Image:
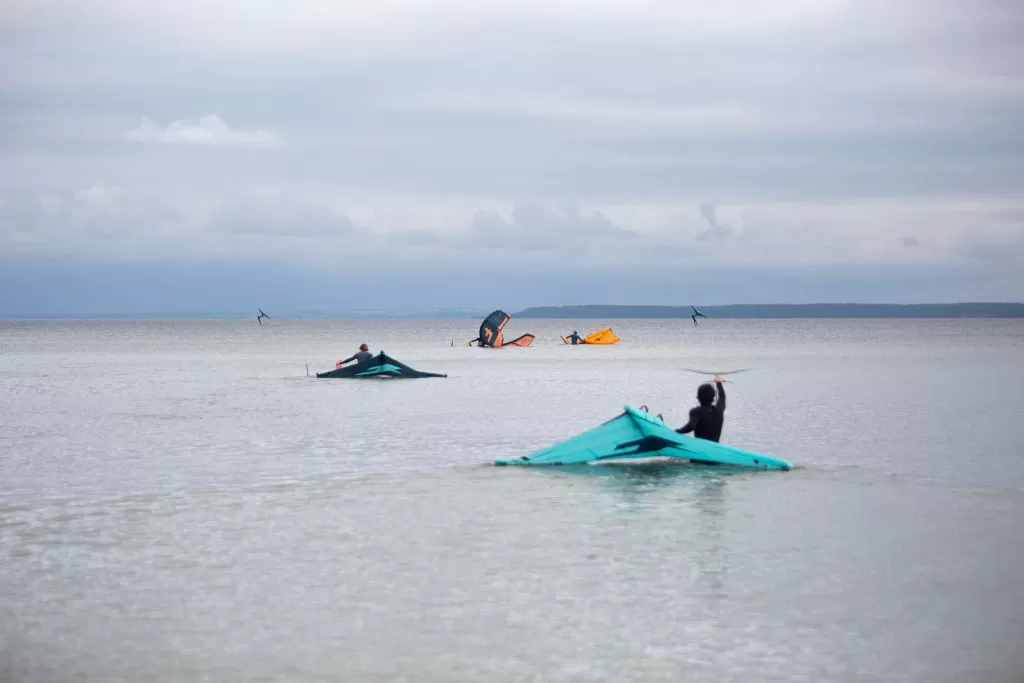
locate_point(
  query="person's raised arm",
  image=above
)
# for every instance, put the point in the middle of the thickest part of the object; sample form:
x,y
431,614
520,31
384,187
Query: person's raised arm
x,y
721,394
692,424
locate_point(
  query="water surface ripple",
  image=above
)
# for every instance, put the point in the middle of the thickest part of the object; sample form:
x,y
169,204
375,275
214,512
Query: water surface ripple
x,y
179,502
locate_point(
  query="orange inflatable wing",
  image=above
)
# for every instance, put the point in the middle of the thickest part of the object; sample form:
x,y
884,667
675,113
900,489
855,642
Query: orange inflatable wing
x,y
605,336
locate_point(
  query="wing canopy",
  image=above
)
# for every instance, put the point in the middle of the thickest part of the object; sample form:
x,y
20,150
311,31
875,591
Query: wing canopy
x,y
636,434
601,337
490,329
491,333
380,366
605,336
521,340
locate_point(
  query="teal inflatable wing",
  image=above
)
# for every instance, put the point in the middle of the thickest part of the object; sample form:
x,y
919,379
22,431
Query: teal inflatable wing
x,y
637,434
381,366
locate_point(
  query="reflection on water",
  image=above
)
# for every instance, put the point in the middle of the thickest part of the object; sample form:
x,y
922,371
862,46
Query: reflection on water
x,y
702,489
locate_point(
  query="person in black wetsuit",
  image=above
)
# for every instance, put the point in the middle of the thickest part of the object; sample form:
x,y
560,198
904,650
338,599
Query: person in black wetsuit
x,y
361,356
707,418
574,338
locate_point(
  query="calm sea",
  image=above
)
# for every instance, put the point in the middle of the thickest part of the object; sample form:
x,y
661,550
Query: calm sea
x,y
180,502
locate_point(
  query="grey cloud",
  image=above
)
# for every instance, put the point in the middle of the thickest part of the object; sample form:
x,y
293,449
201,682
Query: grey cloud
x,y
295,226
910,242
889,110
205,130
113,222
282,219
489,222
533,226
715,232
984,244
99,217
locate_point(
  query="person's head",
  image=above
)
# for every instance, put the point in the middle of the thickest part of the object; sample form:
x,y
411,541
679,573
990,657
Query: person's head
x,y
364,347
705,394
575,332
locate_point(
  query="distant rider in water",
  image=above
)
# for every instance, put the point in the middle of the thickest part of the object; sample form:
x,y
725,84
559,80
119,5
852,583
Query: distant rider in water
x,y
574,338
707,418
361,356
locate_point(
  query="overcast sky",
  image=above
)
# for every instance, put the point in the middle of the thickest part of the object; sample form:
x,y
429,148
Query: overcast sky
x,y
221,154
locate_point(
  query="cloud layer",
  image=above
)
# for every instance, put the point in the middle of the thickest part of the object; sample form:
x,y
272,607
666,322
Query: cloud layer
x,y
745,136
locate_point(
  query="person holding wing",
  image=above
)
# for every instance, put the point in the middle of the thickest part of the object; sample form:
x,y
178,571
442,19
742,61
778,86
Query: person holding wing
x,y
361,356
707,418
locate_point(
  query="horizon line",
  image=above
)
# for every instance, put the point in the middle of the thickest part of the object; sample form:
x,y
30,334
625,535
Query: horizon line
x,y
472,313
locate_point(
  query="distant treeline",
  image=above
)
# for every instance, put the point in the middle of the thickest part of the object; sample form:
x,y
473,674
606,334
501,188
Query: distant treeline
x,y
964,310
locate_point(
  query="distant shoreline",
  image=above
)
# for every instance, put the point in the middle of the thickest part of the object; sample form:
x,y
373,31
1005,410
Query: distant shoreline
x,y
783,311
597,311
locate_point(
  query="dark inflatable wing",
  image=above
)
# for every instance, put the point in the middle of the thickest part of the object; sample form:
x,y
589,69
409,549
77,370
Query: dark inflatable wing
x,y
491,332
381,366
490,329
